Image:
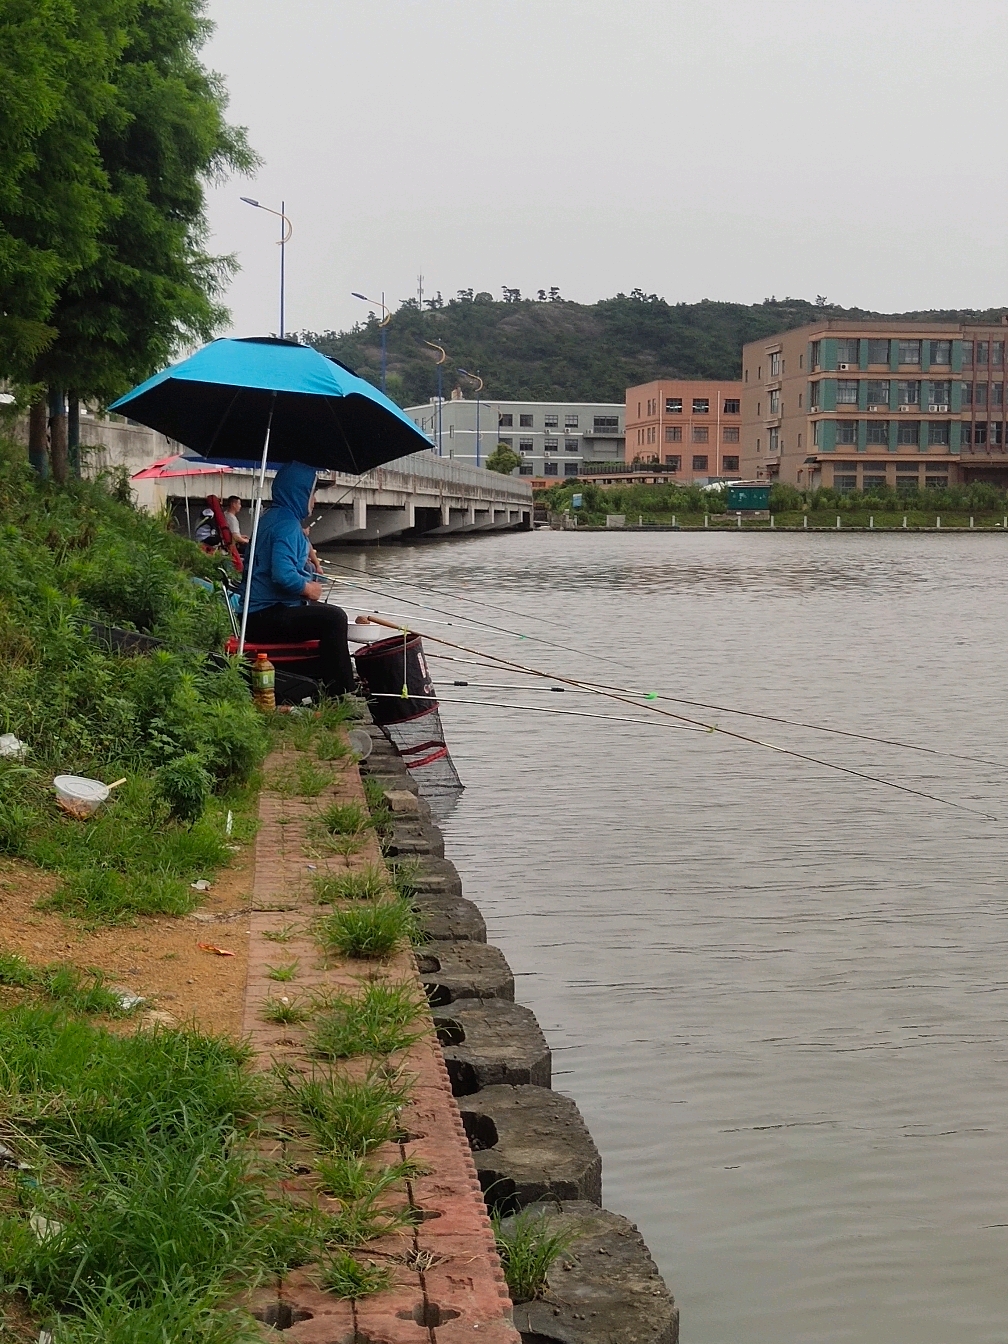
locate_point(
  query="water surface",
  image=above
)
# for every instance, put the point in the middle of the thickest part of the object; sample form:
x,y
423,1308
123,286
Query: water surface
x,y
779,995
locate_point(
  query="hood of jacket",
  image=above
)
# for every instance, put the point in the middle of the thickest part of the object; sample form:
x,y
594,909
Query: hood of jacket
x,y
292,487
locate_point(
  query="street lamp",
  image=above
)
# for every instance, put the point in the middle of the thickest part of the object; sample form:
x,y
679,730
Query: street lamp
x,y
386,319
442,357
476,379
286,229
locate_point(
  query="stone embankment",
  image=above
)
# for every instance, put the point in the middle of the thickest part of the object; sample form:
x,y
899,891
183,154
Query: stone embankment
x,y
530,1146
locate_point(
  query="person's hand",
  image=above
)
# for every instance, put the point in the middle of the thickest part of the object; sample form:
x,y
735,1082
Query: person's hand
x,y
314,560
312,591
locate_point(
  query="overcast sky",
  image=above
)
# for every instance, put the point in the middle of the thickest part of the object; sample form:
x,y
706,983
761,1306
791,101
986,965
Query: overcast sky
x,y
717,149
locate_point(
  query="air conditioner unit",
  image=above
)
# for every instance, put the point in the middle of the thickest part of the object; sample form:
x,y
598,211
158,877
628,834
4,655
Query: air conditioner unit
x,y
942,407
878,408
843,367
907,408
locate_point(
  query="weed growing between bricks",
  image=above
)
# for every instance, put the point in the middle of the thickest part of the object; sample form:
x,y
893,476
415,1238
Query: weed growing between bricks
x,y
377,1021
528,1251
367,884
374,929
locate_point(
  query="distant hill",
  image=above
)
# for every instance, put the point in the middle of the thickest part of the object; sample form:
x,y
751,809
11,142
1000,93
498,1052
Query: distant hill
x,y
559,351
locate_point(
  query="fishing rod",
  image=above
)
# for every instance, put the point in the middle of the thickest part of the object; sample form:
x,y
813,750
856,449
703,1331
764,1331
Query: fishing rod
x,y
529,709
654,708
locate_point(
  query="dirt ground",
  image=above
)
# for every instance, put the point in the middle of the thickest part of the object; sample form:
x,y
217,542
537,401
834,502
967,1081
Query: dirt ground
x,y
157,957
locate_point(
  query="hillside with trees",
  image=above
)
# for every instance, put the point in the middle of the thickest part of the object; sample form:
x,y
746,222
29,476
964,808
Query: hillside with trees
x,y
548,348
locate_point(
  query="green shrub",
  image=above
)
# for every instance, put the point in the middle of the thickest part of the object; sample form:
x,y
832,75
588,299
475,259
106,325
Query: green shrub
x,y
185,786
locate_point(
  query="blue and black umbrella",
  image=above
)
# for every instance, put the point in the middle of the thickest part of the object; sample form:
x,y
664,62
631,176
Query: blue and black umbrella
x,y
263,399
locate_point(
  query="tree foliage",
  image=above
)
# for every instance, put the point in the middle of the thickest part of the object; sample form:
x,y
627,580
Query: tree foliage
x,y
503,459
562,351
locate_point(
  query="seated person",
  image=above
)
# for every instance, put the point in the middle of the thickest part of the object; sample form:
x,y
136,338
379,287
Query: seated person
x,y
232,508
285,603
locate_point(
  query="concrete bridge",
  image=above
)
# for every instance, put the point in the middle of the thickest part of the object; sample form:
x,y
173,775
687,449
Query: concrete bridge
x,y
419,495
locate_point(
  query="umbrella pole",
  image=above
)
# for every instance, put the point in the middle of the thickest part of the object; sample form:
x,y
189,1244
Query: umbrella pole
x,y
255,530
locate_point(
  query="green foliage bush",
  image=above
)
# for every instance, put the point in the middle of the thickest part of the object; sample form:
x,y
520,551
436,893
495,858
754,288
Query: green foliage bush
x,y
185,786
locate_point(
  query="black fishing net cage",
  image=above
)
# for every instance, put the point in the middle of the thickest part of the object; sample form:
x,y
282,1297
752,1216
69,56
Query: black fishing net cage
x,y
401,696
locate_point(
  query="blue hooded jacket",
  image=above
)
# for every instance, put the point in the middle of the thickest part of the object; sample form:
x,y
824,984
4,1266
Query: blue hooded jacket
x,y
281,567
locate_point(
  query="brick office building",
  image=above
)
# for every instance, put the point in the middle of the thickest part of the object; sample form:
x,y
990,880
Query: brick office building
x,y
857,405
689,426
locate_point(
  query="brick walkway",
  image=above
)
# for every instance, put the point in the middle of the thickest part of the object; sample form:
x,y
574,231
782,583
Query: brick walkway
x,y
447,1281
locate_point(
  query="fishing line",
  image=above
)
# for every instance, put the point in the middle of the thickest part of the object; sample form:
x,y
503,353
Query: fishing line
x,y
533,709
732,733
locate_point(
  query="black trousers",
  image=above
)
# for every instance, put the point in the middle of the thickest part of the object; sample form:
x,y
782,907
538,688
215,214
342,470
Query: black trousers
x,y
310,620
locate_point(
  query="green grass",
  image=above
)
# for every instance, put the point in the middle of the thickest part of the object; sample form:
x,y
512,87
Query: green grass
x,y
344,819
527,1250
331,747
374,930
346,1277
404,878
348,1117
63,984
285,1011
369,884
285,972
300,778
282,935
377,1021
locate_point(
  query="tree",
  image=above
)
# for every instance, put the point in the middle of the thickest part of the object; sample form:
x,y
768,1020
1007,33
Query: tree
x,y
152,287
503,460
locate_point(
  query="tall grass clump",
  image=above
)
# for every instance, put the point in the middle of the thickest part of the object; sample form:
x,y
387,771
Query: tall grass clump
x,y
348,1117
377,1021
373,930
528,1251
367,884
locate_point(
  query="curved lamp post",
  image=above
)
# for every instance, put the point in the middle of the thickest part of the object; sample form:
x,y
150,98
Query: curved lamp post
x,y
386,319
442,357
286,229
479,381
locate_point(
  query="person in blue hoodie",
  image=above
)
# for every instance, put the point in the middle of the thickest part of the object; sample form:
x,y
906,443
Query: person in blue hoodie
x,y
285,603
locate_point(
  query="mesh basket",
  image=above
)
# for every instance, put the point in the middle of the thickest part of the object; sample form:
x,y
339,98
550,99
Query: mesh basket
x,y
402,700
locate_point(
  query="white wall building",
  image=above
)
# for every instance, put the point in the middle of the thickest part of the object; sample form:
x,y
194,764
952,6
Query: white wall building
x,y
553,438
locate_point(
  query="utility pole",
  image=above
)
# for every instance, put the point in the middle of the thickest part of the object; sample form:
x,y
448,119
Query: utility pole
x,y
420,287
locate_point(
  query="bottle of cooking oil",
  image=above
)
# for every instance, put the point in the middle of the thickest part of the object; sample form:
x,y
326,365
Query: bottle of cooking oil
x,y
264,684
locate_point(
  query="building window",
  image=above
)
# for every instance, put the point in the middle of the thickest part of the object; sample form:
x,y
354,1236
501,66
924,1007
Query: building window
x,y
878,432
604,423
909,352
699,462
700,433
936,482
524,422
551,421
508,442
506,421
873,476
774,408
816,433
938,395
775,364
941,352
997,354
981,352
997,394
878,393
571,468
995,432
845,477
813,396
524,446
847,351
967,394
551,468
907,393
846,392
729,463
673,461
570,421
907,483
730,434
570,445
980,395
747,375
846,431
967,352
979,434
551,444
799,440
966,434
908,432
815,355
701,405
673,405
878,352
673,433
938,433
732,406
773,441
525,469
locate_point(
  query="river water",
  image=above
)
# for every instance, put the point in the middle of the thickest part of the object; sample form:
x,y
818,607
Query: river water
x,y
778,994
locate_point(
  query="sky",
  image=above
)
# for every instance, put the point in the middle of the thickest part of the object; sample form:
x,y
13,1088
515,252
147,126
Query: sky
x,y
714,149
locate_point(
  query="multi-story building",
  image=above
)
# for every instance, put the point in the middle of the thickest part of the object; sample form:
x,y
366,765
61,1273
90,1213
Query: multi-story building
x,y
553,438
688,426
858,405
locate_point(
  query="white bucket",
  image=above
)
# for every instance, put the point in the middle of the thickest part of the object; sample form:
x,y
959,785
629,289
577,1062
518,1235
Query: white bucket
x,y
79,796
